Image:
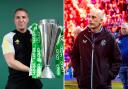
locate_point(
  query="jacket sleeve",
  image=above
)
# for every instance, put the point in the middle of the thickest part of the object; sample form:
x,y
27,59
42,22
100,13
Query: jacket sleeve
x,y
75,58
116,60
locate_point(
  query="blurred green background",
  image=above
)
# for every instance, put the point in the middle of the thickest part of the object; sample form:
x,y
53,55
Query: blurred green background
x,y
38,9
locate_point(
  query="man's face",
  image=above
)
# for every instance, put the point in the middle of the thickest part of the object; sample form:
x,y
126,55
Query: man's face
x,y
124,31
94,21
21,20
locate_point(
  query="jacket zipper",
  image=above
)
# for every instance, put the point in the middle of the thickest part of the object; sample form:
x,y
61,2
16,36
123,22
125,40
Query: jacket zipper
x,y
92,66
91,59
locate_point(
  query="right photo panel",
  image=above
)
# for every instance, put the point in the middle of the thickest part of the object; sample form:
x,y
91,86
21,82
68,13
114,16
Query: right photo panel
x,y
96,44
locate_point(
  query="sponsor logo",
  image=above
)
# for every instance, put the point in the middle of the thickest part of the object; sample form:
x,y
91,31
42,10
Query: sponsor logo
x,y
17,41
85,41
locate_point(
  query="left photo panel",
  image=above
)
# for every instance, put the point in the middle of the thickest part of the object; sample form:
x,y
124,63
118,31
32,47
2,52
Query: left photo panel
x,y
31,39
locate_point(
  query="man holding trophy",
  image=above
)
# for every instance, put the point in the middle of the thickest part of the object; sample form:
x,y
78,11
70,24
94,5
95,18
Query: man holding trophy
x,y
17,48
28,52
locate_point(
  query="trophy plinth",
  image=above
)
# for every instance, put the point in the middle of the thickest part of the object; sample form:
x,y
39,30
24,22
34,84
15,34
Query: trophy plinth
x,y
47,73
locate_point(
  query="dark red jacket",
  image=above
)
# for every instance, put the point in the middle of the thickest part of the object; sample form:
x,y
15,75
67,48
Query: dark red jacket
x,y
103,50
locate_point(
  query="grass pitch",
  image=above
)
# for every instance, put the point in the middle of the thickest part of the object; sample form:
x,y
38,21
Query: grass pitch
x,y
72,84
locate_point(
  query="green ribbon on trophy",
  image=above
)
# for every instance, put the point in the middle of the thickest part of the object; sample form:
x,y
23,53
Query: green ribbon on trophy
x,y
36,58
59,54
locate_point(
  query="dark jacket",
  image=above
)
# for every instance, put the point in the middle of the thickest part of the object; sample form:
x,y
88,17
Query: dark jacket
x,y
96,58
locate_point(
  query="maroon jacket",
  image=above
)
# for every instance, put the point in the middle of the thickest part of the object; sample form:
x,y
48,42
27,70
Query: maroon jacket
x,y
95,59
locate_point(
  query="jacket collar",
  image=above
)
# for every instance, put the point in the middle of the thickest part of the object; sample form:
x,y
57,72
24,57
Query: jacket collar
x,y
96,36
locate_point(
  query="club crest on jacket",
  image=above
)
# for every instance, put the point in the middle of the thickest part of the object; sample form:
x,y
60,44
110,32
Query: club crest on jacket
x,y
103,42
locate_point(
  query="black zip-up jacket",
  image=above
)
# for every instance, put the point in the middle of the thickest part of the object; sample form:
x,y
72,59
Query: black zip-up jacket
x,y
103,50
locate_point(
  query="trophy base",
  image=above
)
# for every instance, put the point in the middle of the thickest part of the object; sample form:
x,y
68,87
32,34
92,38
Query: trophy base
x,y
47,73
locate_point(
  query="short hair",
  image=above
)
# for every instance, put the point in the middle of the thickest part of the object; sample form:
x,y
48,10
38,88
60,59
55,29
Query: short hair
x,y
99,12
21,9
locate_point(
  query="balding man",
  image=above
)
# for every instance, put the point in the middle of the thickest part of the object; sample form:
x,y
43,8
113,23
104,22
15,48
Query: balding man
x,y
96,56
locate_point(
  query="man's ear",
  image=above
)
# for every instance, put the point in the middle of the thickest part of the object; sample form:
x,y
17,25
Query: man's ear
x,y
28,19
101,21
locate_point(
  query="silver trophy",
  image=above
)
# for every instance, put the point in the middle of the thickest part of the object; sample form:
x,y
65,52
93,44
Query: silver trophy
x,y
49,34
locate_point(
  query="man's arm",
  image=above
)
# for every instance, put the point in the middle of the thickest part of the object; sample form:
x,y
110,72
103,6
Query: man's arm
x,y
116,60
75,58
9,53
15,64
